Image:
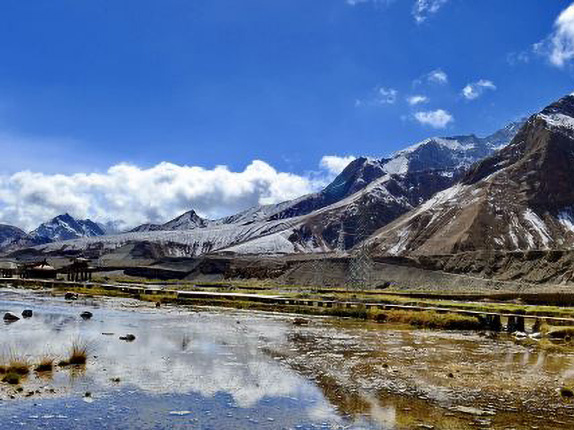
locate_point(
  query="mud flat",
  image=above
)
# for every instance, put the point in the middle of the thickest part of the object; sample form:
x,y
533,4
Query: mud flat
x,y
204,367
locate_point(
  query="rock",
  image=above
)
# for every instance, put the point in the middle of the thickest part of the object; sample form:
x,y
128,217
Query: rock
x,y
536,336
157,304
300,321
27,313
10,317
520,335
86,315
71,296
128,338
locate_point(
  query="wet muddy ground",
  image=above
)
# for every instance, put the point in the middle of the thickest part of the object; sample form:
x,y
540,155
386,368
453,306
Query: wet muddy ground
x,y
210,368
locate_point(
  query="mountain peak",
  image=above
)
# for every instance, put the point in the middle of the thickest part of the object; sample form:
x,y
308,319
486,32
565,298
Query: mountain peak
x,y
564,106
65,227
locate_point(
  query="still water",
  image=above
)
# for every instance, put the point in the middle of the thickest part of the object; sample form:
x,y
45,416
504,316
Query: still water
x,y
208,368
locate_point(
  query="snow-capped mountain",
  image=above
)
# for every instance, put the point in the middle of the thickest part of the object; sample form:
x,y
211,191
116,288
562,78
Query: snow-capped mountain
x,y
65,227
187,221
369,193
521,198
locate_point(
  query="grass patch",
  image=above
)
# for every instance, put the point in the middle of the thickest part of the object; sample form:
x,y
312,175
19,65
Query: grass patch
x,y
12,378
427,319
18,366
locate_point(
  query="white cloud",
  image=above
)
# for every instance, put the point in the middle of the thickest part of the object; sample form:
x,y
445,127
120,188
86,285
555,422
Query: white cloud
x,y
437,119
380,96
438,77
335,164
559,46
417,99
476,89
134,195
423,9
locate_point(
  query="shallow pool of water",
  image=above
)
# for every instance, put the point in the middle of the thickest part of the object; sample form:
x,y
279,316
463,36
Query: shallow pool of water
x,y
212,368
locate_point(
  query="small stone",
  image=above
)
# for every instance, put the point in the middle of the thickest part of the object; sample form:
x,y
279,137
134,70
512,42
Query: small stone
x,y
86,315
27,313
8,316
300,321
128,338
71,296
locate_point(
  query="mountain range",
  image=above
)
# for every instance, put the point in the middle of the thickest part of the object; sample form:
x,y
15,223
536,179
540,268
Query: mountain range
x,y
366,196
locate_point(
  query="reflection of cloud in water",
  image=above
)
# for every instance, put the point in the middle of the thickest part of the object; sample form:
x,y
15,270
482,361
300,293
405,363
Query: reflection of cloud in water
x,y
174,352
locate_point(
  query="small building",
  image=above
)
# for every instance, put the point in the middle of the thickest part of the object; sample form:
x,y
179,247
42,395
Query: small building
x,y
38,270
8,269
79,270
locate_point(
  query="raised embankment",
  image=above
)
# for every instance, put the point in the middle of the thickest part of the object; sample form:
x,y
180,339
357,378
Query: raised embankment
x,y
490,320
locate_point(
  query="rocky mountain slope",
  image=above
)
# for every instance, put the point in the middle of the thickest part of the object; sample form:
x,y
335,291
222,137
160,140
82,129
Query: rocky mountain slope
x,y
521,198
371,193
368,194
11,236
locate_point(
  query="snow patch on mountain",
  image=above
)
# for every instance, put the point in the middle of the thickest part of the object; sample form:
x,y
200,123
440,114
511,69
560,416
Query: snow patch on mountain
x,y
538,226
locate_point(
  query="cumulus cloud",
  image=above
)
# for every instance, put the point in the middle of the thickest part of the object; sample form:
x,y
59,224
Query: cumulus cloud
x,y
133,195
380,96
559,46
417,99
423,9
475,89
334,164
437,119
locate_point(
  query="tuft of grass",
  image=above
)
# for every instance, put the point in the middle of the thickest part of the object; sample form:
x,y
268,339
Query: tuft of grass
x,y
46,364
78,353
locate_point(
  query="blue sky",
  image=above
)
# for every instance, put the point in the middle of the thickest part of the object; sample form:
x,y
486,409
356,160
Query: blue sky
x,y
86,85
